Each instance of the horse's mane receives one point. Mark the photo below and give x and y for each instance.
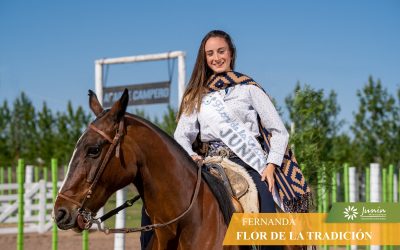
(163, 134)
(215, 185)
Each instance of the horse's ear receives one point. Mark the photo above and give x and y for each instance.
(94, 103)
(118, 109)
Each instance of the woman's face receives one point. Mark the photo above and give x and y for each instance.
(218, 54)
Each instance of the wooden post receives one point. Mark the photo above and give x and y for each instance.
(28, 184)
(375, 182)
(319, 195)
(384, 185)
(346, 188)
(334, 188)
(352, 184)
(346, 182)
(36, 174)
(42, 206)
(54, 179)
(181, 76)
(45, 174)
(2, 179)
(367, 184)
(119, 239)
(9, 177)
(390, 190)
(20, 179)
(390, 183)
(375, 195)
(85, 240)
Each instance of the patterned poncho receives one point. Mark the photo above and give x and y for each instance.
(289, 180)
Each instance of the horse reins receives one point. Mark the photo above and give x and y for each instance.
(148, 227)
(87, 214)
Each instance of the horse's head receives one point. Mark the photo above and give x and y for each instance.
(97, 168)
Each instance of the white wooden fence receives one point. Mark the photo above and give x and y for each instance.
(38, 205)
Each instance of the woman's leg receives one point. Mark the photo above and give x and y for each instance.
(265, 198)
(267, 204)
(145, 237)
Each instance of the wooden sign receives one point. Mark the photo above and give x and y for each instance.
(139, 94)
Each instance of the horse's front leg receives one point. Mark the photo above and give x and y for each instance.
(162, 239)
(199, 237)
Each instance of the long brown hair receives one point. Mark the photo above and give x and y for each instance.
(201, 73)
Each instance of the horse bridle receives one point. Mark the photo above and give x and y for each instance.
(115, 143)
(87, 215)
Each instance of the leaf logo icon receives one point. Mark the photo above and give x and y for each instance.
(350, 213)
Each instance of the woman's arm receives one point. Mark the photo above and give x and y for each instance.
(187, 131)
(271, 121)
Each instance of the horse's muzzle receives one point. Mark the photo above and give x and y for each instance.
(64, 219)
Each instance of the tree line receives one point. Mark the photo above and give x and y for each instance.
(318, 140)
(319, 144)
(38, 135)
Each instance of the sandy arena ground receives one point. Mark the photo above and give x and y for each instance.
(67, 240)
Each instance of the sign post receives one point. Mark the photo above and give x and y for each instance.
(142, 58)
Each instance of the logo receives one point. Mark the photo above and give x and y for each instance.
(350, 213)
(364, 212)
(373, 213)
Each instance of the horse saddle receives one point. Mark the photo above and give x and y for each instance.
(237, 182)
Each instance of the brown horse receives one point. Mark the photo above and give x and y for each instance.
(162, 171)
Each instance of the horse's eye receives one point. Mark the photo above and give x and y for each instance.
(93, 151)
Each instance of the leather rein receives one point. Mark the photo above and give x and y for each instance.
(88, 216)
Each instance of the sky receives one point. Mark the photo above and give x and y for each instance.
(48, 48)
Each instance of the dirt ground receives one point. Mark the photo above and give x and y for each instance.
(67, 240)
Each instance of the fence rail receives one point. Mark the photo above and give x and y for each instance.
(373, 184)
(38, 204)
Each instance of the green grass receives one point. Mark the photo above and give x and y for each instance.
(133, 214)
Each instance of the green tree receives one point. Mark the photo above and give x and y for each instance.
(38, 136)
(45, 134)
(5, 152)
(316, 128)
(69, 126)
(22, 131)
(342, 150)
(141, 113)
(376, 126)
(168, 122)
(78, 121)
(62, 141)
(396, 117)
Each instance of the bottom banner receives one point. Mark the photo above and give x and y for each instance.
(306, 229)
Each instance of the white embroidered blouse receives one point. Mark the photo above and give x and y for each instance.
(245, 101)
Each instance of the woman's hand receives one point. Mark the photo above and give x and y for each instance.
(198, 159)
(268, 175)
